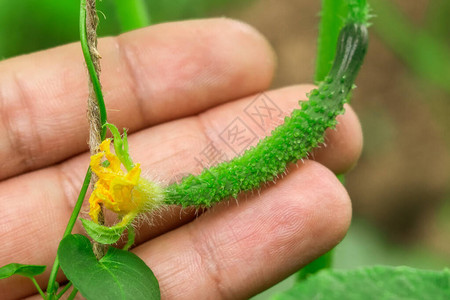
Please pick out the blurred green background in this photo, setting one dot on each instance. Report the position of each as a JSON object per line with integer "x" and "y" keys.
{"x": 401, "y": 186}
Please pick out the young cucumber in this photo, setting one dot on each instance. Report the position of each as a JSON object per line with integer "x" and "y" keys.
{"x": 301, "y": 132}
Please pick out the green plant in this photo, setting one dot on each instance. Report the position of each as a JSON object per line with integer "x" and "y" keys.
{"x": 119, "y": 273}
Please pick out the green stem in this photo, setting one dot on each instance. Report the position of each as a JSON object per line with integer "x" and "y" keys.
{"x": 103, "y": 117}
{"x": 334, "y": 15}
{"x": 131, "y": 237}
{"x": 52, "y": 279}
{"x": 64, "y": 290}
{"x": 91, "y": 68}
{"x": 38, "y": 287}
{"x": 332, "y": 18}
{"x": 132, "y": 14}
{"x": 73, "y": 294}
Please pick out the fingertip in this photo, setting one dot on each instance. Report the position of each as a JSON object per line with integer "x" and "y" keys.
{"x": 332, "y": 211}
{"x": 267, "y": 53}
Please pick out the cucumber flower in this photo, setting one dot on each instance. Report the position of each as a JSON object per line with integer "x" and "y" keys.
{"x": 124, "y": 192}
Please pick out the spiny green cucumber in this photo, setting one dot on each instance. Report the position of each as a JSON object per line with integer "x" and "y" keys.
{"x": 301, "y": 132}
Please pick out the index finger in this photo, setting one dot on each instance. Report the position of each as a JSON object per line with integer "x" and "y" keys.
{"x": 149, "y": 76}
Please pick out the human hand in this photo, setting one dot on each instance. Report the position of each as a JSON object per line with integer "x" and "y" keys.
{"x": 177, "y": 87}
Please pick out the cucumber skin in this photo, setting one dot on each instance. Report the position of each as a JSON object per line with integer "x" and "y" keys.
{"x": 301, "y": 132}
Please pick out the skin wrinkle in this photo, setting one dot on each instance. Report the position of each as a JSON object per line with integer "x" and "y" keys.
{"x": 210, "y": 136}
{"x": 18, "y": 139}
{"x": 205, "y": 247}
{"x": 172, "y": 287}
{"x": 209, "y": 264}
{"x": 130, "y": 67}
{"x": 69, "y": 185}
{"x": 281, "y": 229}
{"x": 238, "y": 238}
{"x": 5, "y": 124}
{"x": 17, "y": 135}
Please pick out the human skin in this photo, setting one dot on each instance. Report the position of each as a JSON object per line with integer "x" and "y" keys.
{"x": 176, "y": 86}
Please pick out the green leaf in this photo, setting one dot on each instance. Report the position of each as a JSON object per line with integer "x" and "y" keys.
{"x": 379, "y": 282}
{"x": 103, "y": 234}
{"x": 118, "y": 275}
{"x": 20, "y": 269}
{"x": 121, "y": 146}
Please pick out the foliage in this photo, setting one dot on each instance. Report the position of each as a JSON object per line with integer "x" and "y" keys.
{"x": 20, "y": 269}
{"x": 103, "y": 234}
{"x": 117, "y": 275}
{"x": 425, "y": 50}
{"x": 379, "y": 282}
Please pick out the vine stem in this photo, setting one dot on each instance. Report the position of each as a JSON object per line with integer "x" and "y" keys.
{"x": 65, "y": 289}
{"x": 96, "y": 114}
{"x": 73, "y": 294}
{"x": 334, "y": 14}
{"x": 88, "y": 40}
{"x": 38, "y": 287}
{"x": 332, "y": 17}
{"x": 51, "y": 288}
{"x": 96, "y": 105}
{"x": 331, "y": 20}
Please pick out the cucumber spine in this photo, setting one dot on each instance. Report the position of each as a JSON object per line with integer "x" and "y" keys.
{"x": 301, "y": 132}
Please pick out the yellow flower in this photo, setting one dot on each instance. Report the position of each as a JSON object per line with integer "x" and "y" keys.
{"x": 124, "y": 193}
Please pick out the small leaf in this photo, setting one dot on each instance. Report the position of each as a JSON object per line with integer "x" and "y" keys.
{"x": 379, "y": 282}
{"x": 121, "y": 146}
{"x": 20, "y": 269}
{"x": 102, "y": 234}
{"x": 118, "y": 275}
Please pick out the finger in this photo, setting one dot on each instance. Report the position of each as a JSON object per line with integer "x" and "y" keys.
{"x": 167, "y": 150}
{"x": 236, "y": 251}
{"x": 149, "y": 76}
